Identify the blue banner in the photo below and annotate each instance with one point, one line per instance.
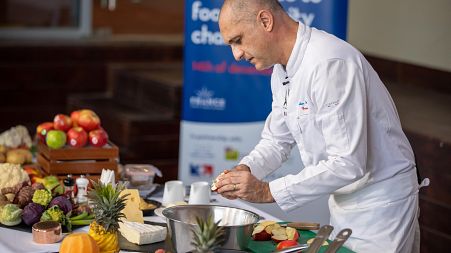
(225, 103)
(219, 89)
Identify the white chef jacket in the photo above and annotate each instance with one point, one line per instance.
(331, 104)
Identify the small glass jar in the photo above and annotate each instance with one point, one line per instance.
(141, 176)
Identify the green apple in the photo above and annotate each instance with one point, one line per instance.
(55, 139)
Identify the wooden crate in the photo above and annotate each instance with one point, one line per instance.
(85, 160)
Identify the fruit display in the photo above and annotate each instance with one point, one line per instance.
(77, 130)
(107, 204)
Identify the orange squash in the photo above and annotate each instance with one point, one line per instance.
(79, 243)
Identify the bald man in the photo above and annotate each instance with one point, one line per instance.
(330, 103)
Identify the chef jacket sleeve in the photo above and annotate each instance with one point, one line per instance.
(338, 94)
(275, 145)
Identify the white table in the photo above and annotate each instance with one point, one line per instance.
(13, 241)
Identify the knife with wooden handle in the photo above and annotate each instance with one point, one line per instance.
(302, 225)
(322, 235)
(342, 236)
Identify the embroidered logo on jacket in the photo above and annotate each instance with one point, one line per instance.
(303, 106)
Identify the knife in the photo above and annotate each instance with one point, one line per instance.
(342, 236)
(302, 225)
(322, 235)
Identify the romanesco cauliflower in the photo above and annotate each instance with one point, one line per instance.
(54, 213)
(42, 197)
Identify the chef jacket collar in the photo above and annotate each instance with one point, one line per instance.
(297, 54)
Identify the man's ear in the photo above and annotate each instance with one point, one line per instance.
(265, 19)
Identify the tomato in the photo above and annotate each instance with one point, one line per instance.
(286, 244)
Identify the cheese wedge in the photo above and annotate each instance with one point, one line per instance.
(131, 210)
(139, 233)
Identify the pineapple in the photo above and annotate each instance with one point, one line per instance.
(107, 207)
(207, 235)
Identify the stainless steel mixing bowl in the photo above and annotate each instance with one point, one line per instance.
(238, 225)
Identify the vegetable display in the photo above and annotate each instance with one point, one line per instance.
(40, 202)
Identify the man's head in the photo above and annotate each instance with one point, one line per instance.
(253, 29)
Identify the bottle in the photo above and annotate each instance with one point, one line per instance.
(82, 186)
(69, 186)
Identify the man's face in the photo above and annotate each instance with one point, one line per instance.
(247, 40)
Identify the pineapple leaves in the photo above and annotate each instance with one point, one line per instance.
(207, 235)
(107, 204)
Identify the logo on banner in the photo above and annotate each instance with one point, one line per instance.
(231, 154)
(201, 169)
(205, 99)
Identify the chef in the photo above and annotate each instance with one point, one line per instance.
(330, 103)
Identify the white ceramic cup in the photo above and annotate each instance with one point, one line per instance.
(174, 191)
(200, 193)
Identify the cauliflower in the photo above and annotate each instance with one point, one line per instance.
(42, 197)
(11, 175)
(10, 215)
(15, 137)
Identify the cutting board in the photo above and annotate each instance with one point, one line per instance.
(270, 246)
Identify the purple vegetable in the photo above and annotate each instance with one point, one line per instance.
(32, 213)
(62, 202)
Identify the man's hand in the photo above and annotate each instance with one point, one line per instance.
(240, 183)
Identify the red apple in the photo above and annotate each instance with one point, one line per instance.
(42, 130)
(74, 117)
(62, 122)
(282, 234)
(292, 233)
(98, 137)
(88, 120)
(77, 137)
(286, 244)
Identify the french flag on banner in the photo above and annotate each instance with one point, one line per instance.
(201, 170)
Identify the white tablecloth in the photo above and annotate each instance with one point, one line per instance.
(13, 241)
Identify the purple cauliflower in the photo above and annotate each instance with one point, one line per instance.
(63, 203)
(32, 213)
